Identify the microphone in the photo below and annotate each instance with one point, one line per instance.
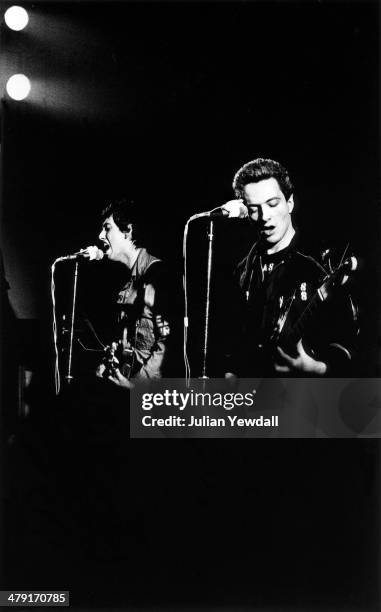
(92, 253)
(234, 209)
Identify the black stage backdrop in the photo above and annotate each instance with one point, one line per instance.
(163, 102)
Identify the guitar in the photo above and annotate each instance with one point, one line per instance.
(288, 336)
(118, 357)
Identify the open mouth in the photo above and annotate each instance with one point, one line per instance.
(106, 248)
(267, 231)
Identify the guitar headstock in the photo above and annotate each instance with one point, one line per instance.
(345, 269)
(338, 277)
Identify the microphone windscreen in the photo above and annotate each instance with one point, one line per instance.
(235, 209)
(95, 253)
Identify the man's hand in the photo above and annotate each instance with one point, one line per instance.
(301, 363)
(117, 379)
(235, 208)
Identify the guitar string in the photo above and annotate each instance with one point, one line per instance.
(311, 304)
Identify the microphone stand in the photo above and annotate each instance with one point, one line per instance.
(207, 304)
(69, 376)
(232, 209)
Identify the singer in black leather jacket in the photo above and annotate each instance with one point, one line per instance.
(291, 321)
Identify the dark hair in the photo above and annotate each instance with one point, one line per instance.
(125, 214)
(259, 170)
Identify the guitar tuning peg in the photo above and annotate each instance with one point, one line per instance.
(354, 263)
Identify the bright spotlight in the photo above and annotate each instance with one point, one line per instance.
(16, 18)
(18, 86)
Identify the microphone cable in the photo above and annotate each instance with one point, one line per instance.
(186, 319)
(57, 376)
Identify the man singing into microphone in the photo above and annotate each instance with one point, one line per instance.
(293, 323)
(140, 348)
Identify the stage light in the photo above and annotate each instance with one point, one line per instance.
(16, 18)
(18, 86)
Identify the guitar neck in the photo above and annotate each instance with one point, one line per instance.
(298, 329)
(296, 332)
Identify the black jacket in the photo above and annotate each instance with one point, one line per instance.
(278, 303)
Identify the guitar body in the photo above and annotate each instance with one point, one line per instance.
(117, 357)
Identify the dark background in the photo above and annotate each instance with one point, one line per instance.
(163, 102)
